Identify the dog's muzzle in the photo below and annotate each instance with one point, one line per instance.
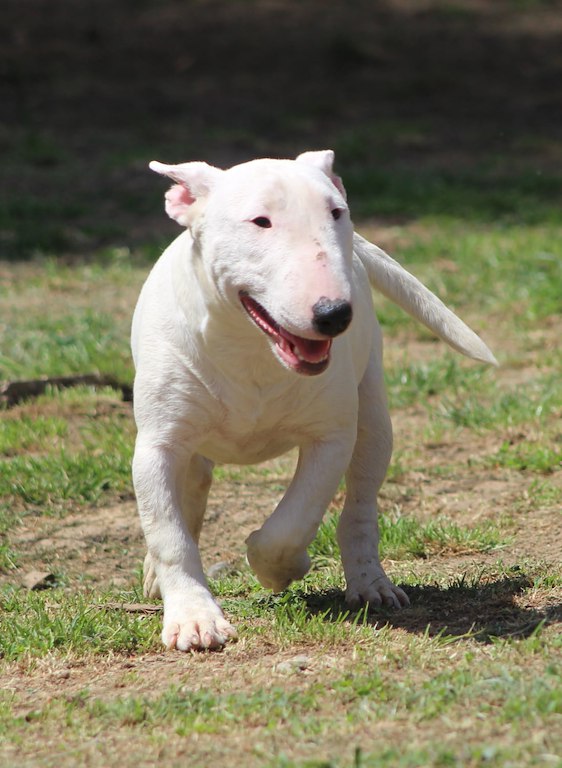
(306, 356)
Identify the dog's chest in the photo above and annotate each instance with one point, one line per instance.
(254, 427)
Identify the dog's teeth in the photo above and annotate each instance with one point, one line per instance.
(302, 359)
(285, 346)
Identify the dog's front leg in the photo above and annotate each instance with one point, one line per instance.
(277, 552)
(358, 533)
(192, 618)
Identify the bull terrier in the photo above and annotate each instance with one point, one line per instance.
(254, 333)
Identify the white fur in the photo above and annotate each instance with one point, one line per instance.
(212, 386)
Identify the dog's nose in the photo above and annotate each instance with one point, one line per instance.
(331, 317)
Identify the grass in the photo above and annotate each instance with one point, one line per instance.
(536, 403)
(36, 624)
(468, 676)
(478, 196)
(403, 537)
(409, 383)
(511, 272)
(75, 457)
(28, 433)
(532, 457)
(419, 689)
(91, 338)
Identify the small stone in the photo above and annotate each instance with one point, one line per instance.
(62, 674)
(295, 664)
(38, 580)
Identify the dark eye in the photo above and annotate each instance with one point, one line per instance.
(336, 213)
(262, 221)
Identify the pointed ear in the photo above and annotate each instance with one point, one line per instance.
(324, 159)
(194, 182)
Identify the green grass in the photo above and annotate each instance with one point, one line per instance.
(77, 319)
(76, 344)
(66, 345)
(534, 404)
(46, 468)
(403, 537)
(479, 692)
(49, 482)
(528, 457)
(36, 624)
(543, 493)
(28, 433)
(501, 273)
(478, 196)
(411, 383)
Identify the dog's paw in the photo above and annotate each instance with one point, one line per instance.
(150, 586)
(275, 570)
(376, 589)
(195, 625)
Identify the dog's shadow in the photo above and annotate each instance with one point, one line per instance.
(482, 611)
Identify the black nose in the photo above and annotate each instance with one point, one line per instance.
(331, 318)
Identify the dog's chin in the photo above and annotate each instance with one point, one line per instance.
(308, 357)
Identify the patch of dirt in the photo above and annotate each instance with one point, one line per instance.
(105, 546)
(95, 547)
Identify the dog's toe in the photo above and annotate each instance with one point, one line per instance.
(197, 630)
(377, 591)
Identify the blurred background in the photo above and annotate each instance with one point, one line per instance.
(434, 108)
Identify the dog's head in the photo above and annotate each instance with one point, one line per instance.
(275, 239)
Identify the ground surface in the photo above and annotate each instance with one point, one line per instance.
(446, 119)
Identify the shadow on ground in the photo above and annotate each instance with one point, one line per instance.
(483, 611)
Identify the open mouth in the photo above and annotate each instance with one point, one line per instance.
(308, 356)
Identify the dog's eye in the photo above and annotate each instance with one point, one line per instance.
(336, 213)
(262, 221)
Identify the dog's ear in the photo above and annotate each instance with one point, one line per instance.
(194, 182)
(324, 159)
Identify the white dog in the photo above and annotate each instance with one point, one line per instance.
(254, 333)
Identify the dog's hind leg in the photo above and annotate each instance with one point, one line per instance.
(193, 491)
(358, 534)
(277, 552)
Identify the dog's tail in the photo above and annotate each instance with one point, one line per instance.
(398, 285)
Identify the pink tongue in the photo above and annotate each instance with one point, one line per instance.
(311, 350)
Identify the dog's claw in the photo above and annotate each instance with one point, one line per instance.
(204, 634)
(194, 621)
(380, 591)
